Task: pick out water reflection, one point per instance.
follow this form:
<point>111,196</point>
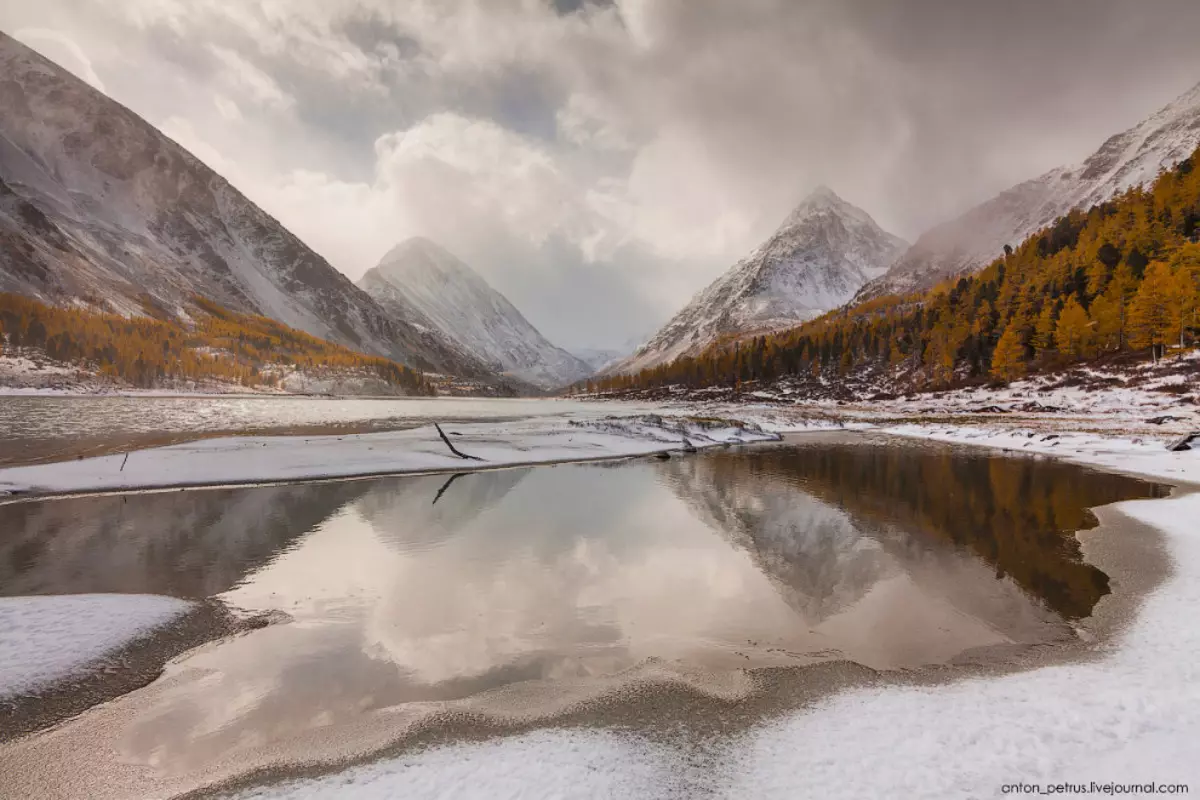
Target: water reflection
<point>187,544</point>
<point>410,592</point>
<point>1016,514</point>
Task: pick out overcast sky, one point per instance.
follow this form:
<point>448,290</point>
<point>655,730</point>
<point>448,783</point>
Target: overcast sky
<point>600,162</point>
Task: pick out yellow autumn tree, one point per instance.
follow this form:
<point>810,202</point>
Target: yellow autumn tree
<point>1073,332</point>
<point>1185,263</point>
<point>1152,314</point>
<point>1043,329</point>
<point>1008,361</point>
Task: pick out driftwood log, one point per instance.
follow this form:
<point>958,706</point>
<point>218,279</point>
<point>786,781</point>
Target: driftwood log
<point>454,449</point>
<point>1183,443</point>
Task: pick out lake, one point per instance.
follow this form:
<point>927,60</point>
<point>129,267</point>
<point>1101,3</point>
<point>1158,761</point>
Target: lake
<point>527,591</point>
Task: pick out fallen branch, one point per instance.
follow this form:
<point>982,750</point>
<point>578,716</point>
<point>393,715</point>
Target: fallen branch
<point>453,449</point>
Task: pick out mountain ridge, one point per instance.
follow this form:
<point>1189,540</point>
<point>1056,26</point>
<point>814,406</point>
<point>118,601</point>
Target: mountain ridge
<point>975,238</point>
<point>424,282</point>
<point>99,207</point>
<point>825,250</point>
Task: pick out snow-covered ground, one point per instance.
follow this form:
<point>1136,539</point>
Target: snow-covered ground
<point>46,639</point>
<point>1129,717</point>
<point>250,459</point>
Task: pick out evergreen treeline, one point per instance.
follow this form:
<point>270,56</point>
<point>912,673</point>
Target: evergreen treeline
<point>1122,276</point>
<point>151,350</point>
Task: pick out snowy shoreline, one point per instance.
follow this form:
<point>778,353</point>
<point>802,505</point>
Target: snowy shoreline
<point>234,460</point>
<point>1031,725</point>
<point>1131,715</point>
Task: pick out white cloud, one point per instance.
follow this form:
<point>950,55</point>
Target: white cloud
<point>250,81</point>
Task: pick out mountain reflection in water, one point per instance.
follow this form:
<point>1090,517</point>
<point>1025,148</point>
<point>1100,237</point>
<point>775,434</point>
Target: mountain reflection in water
<point>437,588</point>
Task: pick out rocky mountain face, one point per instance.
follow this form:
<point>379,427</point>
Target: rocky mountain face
<point>821,255</point>
<point>99,207</point>
<point>420,281</point>
<point>975,239</point>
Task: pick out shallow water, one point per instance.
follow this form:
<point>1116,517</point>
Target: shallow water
<point>47,428</point>
<point>409,590</point>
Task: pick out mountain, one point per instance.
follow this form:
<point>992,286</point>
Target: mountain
<point>419,281</point>
<point>978,237</point>
<point>600,357</point>
<point>818,258</point>
<point>99,207</point>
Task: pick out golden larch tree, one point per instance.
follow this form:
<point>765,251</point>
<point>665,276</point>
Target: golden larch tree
<point>1152,314</point>
<point>1008,361</point>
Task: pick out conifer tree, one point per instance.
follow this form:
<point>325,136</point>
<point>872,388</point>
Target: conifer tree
<point>1008,361</point>
<point>1153,311</point>
<point>1043,330</point>
<point>1073,332</point>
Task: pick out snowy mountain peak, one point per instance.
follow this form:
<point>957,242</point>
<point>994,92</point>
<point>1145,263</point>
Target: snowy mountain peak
<point>821,200</point>
<point>421,281</point>
<point>818,258</point>
<point>420,259</point>
<point>1131,158</point>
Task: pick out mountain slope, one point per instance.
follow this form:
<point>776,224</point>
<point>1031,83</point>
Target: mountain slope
<point>99,207</point>
<point>978,237</point>
<point>818,258</point>
<point>420,281</point>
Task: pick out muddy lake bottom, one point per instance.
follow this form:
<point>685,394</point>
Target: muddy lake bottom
<point>690,596</point>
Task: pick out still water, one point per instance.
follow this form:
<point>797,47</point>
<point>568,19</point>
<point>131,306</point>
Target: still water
<point>409,592</point>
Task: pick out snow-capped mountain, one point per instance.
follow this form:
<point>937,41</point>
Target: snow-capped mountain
<point>420,281</point>
<point>818,258</point>
<point>99,207</point>
<point>601,358</point>
<point>975,239</point>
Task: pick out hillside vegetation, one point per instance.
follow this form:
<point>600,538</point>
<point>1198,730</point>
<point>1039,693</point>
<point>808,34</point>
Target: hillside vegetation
<point>1123,276</point>
<point>220,345</point>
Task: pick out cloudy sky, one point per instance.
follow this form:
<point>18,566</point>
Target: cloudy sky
<point>600,162</point>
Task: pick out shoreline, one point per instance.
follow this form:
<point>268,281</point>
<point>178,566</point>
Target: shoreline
<point>661,706</point>
<point>1132,554</point>
<point>265,460</point>
<point>142,662</point>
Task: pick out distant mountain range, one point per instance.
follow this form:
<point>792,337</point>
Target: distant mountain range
<point>99,207</point>
<point>975,239</point>
<point>421,282</point>
<point>821,255</point>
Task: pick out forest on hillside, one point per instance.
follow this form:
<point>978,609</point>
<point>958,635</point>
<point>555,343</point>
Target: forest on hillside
<point>1123,276</point>
<point>153,350</point>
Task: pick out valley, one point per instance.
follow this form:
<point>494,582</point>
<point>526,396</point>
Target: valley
<point>425,400</point>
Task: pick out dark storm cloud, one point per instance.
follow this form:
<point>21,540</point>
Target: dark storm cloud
<point>601,161</point>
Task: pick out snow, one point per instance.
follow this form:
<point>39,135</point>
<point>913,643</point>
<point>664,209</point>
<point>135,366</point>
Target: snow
<point>574,763</point>
<point>452,299</point>
<point>977,237</point>
<point>1131,716</point>
<point>139,215</point>
<point>47,639</point>
<point>254,459</point>
<point>822,254</point>
<point>1139,455</point>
